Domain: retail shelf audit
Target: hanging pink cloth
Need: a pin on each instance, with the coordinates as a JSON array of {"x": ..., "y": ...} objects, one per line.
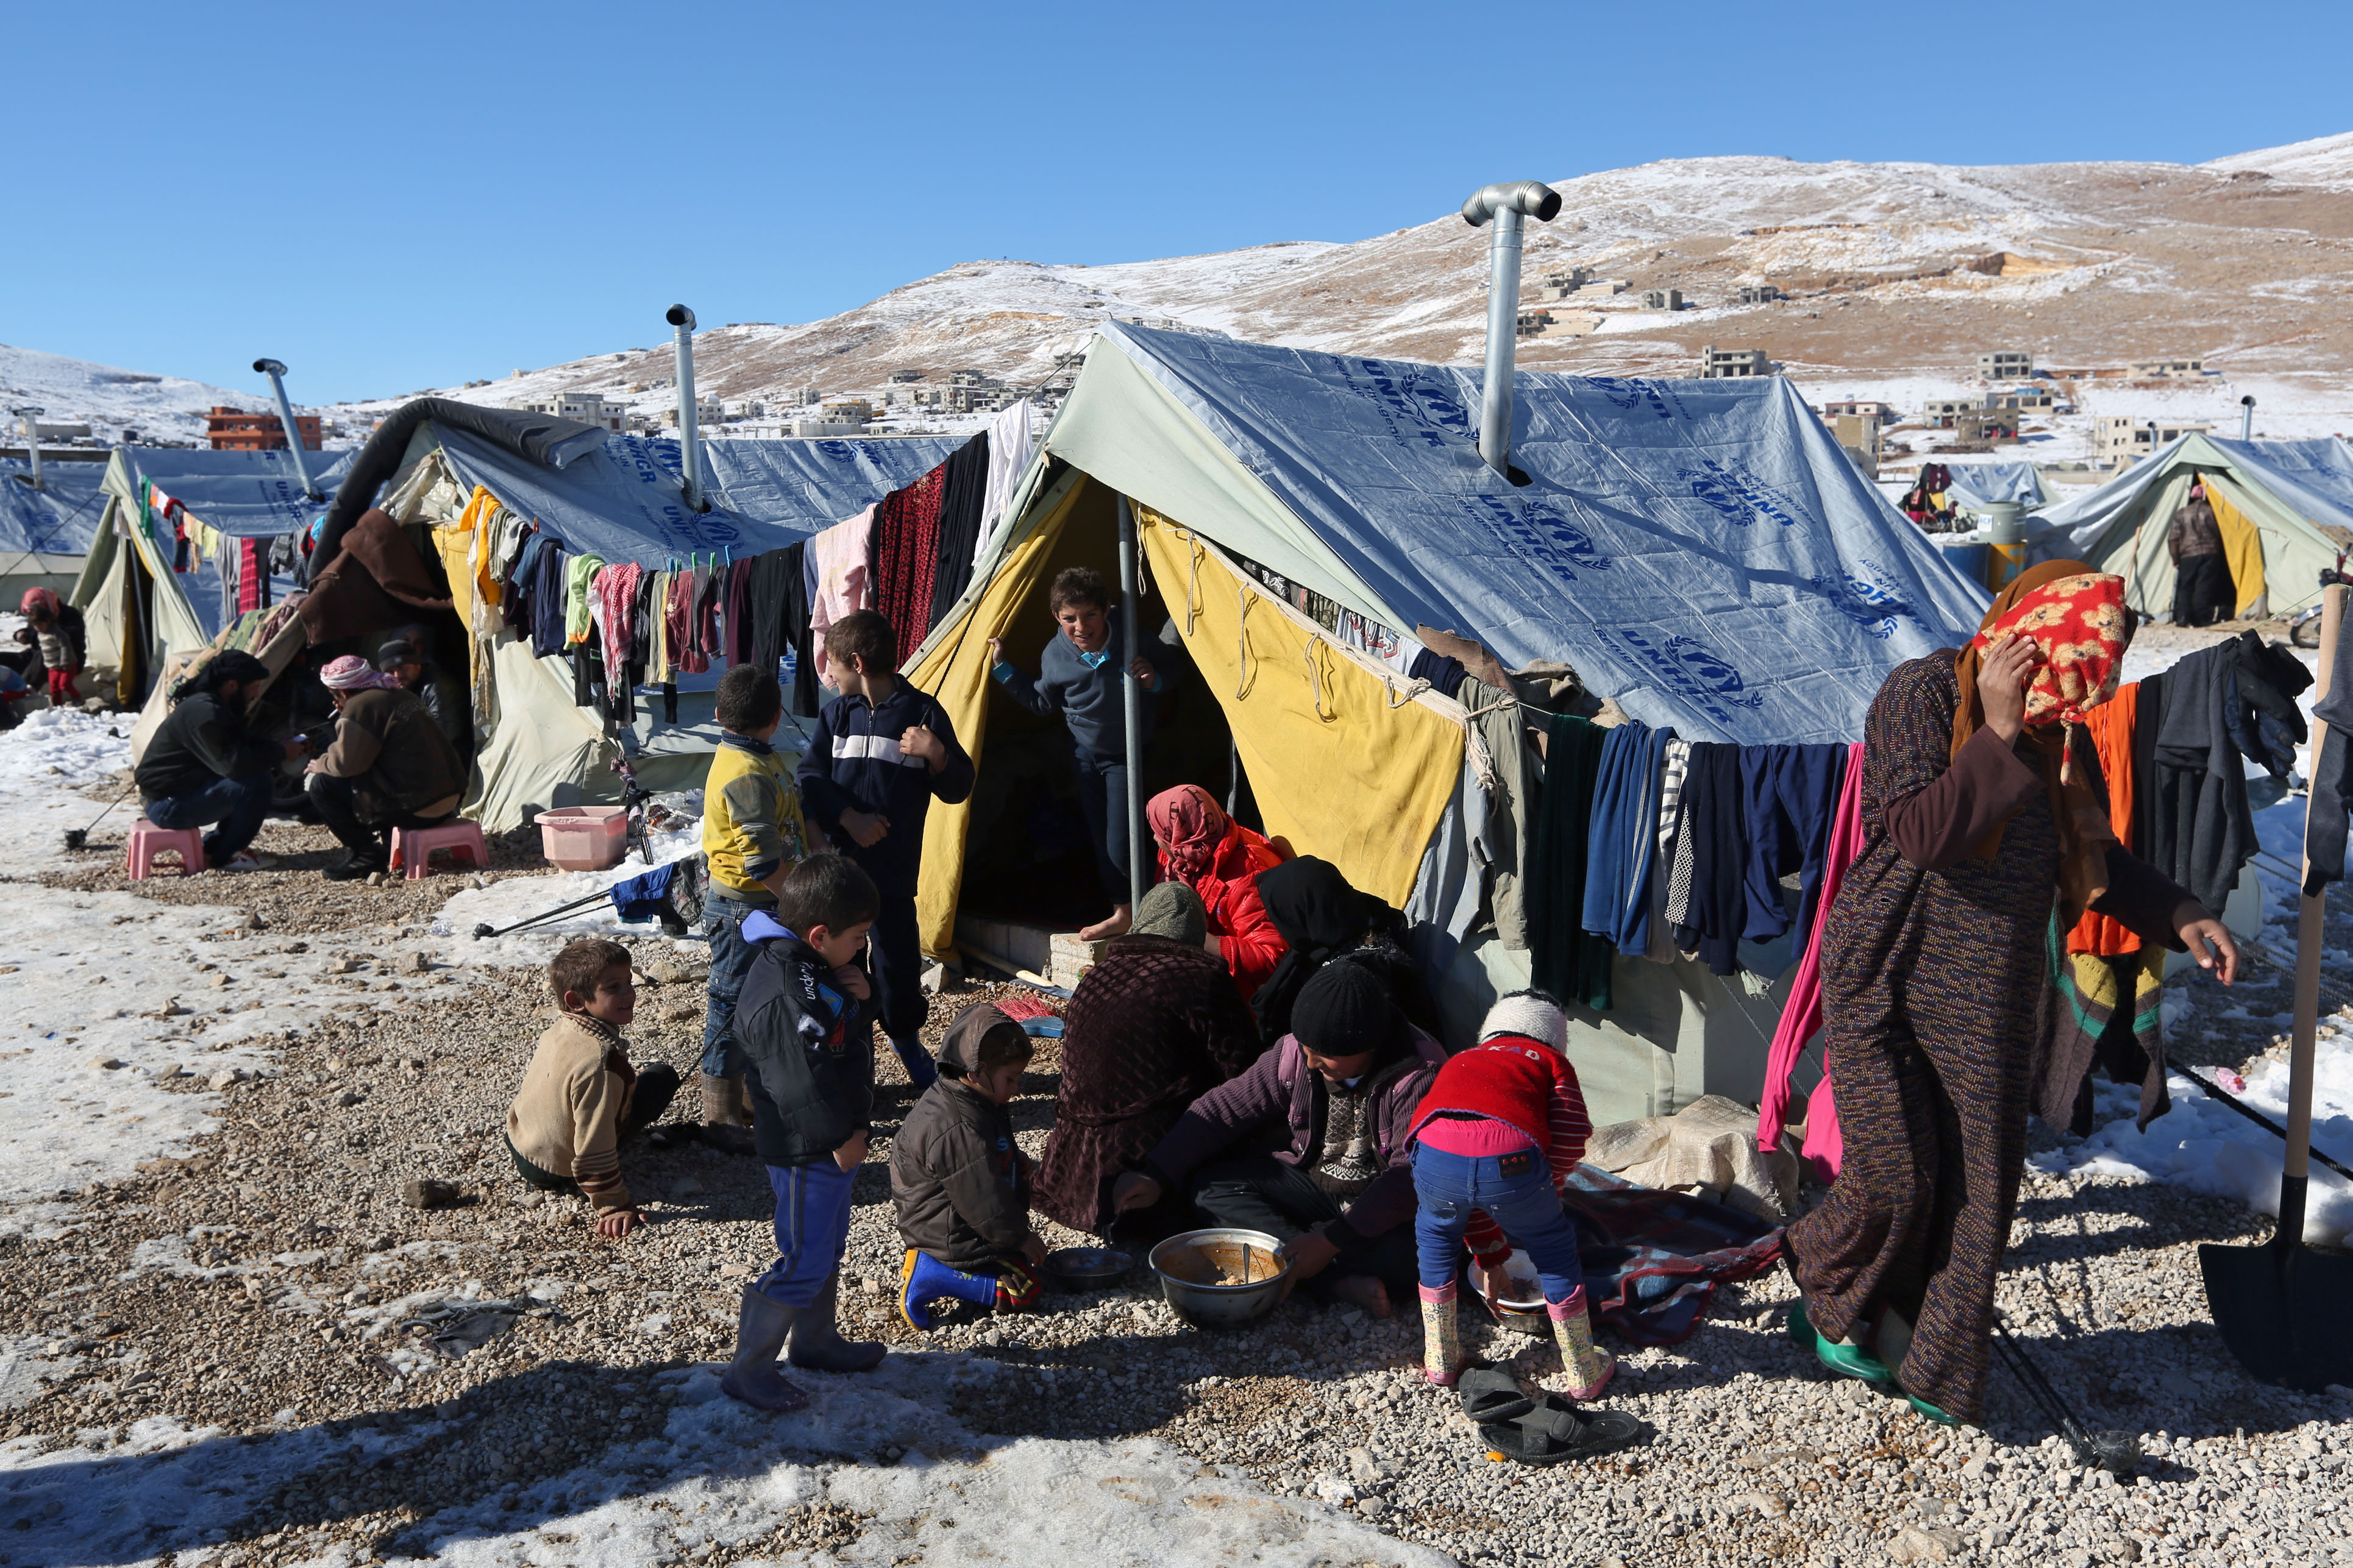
[
  {"x": 1803, "y": 1014},
  {"x": 842, "y": 554}
]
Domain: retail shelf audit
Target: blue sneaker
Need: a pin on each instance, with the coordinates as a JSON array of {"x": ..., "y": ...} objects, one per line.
[{"x": 923, "y": 1280}]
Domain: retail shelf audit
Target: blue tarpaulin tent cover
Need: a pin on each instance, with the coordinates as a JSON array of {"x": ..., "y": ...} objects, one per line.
[
  {"x": 623, "y": 502},
  {"x": 58, "y": 518},
  {"x": 1981, "y": 484},
  {"x": 1700, "y": 551},
  {"x": 253, "y": 495}
]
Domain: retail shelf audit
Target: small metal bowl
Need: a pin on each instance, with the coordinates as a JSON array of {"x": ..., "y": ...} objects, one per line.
[
  {"x": 1524, "y": 1310},
  {"x": 1076, "y": 1268},
  {"x": 1222, "y": 1276}
]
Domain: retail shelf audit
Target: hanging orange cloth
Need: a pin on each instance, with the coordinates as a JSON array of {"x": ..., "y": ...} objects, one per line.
[{"x": 2111, "y": 728}]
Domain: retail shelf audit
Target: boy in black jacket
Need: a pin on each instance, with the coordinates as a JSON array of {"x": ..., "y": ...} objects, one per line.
[
  {"x": 882, "y": 751},
  {"x": 802, "y": 1024},
  {"x": 959, "y": 1183}
]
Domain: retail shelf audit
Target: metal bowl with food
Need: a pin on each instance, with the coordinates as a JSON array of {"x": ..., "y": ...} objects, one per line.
[
  {"x": 1221, "y": 1275},
  {"x": 1076, "y": 1268},
  {"x": 1524, "y": 1308}
]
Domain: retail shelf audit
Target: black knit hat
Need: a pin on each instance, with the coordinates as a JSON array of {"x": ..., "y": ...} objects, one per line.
[{"x": 1344, "y": 1009}]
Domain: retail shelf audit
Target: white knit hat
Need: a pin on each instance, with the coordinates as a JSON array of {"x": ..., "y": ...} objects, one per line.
[{"x": 1531, "y": 1014}]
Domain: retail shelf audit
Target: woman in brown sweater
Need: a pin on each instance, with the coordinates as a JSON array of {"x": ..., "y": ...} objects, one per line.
[{"x": 1936, "y": 964}]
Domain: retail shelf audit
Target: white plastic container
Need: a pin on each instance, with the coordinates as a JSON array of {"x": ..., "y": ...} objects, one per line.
[{"x": 584, "y": 837}]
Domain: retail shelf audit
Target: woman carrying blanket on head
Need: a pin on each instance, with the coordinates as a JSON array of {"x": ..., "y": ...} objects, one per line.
[{"x": 1982, "y": 815}]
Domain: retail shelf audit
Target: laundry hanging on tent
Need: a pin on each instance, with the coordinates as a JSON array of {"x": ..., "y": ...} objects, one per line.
[
  {"x": 2325, "y": 822},
  {"x": 837, "y": 562},
  {"x": 1801, "y": 1015},
  {"x": 1563, "y": 957},
  {"x": 1010, "y": 448},
  {"x": 2198, "y": 826},
  {"x": 1623, "y": 837},
  {"x": 735, "y": 600},
  {"x": 2110, "y": 726},
  {"x": 962, "y": 503},
  {"x": 905, "y": 544},
  {"x": 1788, "y": 793},
  {"x": 1675, "y": 765}
]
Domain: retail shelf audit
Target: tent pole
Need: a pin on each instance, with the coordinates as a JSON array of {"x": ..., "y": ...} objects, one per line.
[{"x": 1127, "y": 579}]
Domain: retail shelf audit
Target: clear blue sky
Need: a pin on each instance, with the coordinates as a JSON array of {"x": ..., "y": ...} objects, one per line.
[{"x": 392, "y": 196}]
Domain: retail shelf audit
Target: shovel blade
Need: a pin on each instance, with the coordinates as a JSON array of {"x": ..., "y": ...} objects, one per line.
[{"x": 2284, "y": 1311}]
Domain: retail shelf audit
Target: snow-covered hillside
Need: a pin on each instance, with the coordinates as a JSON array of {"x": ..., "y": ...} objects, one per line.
[{"x": 114, "y": 402}]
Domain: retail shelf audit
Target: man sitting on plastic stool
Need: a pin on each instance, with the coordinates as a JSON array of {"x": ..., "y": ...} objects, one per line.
[{"x": 390, "y": 766}]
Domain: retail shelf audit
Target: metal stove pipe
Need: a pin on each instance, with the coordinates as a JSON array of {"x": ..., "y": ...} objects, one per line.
[{"x": 1504, "y": 204}]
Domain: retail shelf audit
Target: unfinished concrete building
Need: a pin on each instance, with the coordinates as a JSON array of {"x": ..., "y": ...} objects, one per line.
[
  {"x": 1759, "y": 294},
  {"x": 1662, "y": 299},
  {"x": 1715, "y": 363},
  {"x": 2006, "y": 364}
]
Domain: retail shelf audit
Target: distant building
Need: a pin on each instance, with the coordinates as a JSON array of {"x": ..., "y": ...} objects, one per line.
[
  {"x": 1985, "y": 425},
  {"x": 970, "y": 391},
  {"x": 2164, "y": 369},
  {"x": 707, "y": 411},
  {"x": 1662, "y": 299},
  {"x": 747, "y": 408},
  {"x": 2026, "y": 399},
  {"x": 1715, "y": 363},
  {"x": 235, "y": 430},
  {"x": 2006, "y": 364},
  {"x": 588, "y": 407},
  {"x": 1859, "y": 433},
  {"x": 1860, "y": 408},
  {"x": 2119, "y": 439},
  {"x": 1759, "y": 294},
  {"x": 838, "y": 417},
  {"x": 1561, "y": 285},
  {"x": 902, "y": 376},
  {"x": 1947, "y": 413},
  {"x": 1532, "y": 324}
]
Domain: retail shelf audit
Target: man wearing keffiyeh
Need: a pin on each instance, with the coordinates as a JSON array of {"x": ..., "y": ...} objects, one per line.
[{"x": 390, "y": 766}]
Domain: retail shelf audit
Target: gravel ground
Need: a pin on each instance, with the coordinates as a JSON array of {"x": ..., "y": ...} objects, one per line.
[{"x": 275, "y": 1279}]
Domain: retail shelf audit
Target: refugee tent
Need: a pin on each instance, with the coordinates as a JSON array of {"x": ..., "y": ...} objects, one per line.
[
  {"x": 1975, "y": 486},
  {"x": 144, "y": 596},
  {"x": 1702, "y": 552},
  {"x": 2286, "y": 510},
  {"x": 443, "y": 466},
  {"x": 45, "y": 532}
]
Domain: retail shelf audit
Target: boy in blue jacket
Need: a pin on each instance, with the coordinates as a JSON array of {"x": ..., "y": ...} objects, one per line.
[
  {"x": 1080, "y": 676},
  {"x": 882, "y": 751},
  {"x": 801, "y": 1024}
]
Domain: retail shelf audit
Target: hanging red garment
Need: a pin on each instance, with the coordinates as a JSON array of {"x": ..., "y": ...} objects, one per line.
[
  {"x": 2110, "y": 726},
  {"x": 1801, "y": 1017},
  {"x": 906, "y": 558},
  {"x": 252, "y": 573}
]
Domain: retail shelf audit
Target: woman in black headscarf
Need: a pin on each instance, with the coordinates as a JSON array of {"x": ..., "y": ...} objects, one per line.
[{"x": 1322, "y": 917}]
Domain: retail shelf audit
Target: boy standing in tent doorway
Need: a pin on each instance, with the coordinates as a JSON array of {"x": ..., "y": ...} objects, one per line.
[
  {"x": 2204, "y": 592},
  {"x": 882, "y": 752},
  {"x": 1080, "y": 676}
]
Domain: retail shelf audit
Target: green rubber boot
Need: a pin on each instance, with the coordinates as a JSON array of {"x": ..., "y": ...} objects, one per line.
[{"x": 1846, "y": 1360}]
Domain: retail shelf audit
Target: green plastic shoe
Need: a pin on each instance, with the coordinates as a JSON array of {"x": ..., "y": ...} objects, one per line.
[
  {"x": 1847, "y": 1361},
  {"x": 1931, "y": 1412}
]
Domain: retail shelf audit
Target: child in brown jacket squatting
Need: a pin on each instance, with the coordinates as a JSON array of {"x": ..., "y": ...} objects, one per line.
[
  {"x": 580, "y": 1096},
  {"x": 961, "y": 1185}
]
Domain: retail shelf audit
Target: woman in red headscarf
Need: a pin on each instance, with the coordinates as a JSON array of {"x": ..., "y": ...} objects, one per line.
[
  {"x": 1982, "y": 819},
  {"x": 1220, "y": 858}
]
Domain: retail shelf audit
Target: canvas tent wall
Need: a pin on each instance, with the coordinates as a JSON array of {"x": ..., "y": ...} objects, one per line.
[
  {"x": 2286, "y": 510},
  {"x": 617, "y": 497},
  {"x": 138, "y": 608},
  {"x": 1703, "y": 553}
]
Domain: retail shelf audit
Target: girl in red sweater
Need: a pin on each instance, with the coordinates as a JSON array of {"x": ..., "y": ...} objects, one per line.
[{"x": 1494, "y": 1140}]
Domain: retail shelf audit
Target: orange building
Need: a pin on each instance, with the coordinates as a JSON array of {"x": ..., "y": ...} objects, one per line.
[{"x": 235, "y": 430}]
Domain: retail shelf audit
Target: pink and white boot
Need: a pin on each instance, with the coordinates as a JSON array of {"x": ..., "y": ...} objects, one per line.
[
  {"x": 1442, "y": 1342},
  {"x": 1588, "y": 1364}
]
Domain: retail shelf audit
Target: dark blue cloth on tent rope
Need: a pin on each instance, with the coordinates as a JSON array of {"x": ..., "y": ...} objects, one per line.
[{"x": 1653, "y": 1260}]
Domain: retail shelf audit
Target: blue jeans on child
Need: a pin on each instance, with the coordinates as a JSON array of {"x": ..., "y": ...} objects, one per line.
[
  {"x": 237, "y": 805},
  {"x": 1516, "y": 1192},
  {"x": 1103, "y": 801},
  {"x": 812, "y": 1228},
  {"x": 730, "y": 964}
]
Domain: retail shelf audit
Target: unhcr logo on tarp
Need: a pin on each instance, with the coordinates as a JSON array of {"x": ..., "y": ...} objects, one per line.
[
  {"x": 1415, "y": 404},
  {"x": 1542, "y": 536},
  {"x": 1631, "y": 393},
  {"x": 1736, "y": 494},
  {"x": 1873, "y": 603},
  {"x": 1691, "y": 669}
]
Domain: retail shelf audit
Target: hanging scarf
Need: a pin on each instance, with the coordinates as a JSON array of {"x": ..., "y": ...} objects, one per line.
[
  {"x": 1190, "y": 826},
  {"x": 2076, "y": 617}
]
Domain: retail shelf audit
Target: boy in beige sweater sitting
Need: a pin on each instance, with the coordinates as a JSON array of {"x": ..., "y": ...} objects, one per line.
[{"x": 581, "y": 1096}]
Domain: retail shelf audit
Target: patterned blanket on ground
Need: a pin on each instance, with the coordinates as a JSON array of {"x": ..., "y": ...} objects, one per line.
[{"x": 1654, "y": 1259}]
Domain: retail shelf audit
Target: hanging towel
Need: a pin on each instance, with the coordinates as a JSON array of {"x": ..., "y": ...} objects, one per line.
[
  {"x": 2111, "y": 727},
  {"x": 1802, "y": 1015},
  {"x": 1623, "y": 837},
  {"x": 579, "y": 571},
  {"x": 961, "y": 505},
  {"x": 677, "y": 624},
  {"x": 1675, "y": 764},
  {"x": 1563, "y": 957},
  {"x": 906, "y": 543},
  {"x": 616, "y": 591},
  {"x": 838, "y": 559},
  {"x": 1009, "y": 447},
  {"x": 1717, "y": 815}
]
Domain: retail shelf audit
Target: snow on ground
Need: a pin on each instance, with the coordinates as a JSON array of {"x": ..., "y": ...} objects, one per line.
[
  {"x": 84, "y": 1060},
  {"x": 722, "y": 1475}
]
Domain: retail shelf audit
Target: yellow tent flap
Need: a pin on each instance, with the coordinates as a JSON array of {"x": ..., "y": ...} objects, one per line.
[
  {"x": 955, "y": 672},
  {"x": 2243, "y": 546},
  {"x": 1339, "y": 766}
]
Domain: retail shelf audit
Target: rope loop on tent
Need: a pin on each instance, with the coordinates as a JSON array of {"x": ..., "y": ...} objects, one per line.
[
  {"x": 1316, "y": 679},
  {"x": 1193, "y": 553},
  {"x": 1242, "y": 640},
  {"x": 1483, "y": 761},
  {"x": 1401, "y": 695}
]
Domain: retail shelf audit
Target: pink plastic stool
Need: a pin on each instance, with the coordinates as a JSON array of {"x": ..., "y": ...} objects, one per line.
[
  {"x": 147, "y": 841},
  {"x": 412, "y": 848}
]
